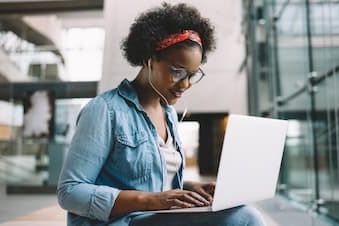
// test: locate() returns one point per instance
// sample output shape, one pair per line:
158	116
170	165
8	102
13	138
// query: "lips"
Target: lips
176	94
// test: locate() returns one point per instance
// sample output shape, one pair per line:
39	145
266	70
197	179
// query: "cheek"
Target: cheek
162	78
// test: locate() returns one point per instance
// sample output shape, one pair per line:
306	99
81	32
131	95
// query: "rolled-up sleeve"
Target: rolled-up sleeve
89	149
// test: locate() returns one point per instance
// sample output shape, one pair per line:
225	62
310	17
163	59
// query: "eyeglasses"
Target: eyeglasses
179	74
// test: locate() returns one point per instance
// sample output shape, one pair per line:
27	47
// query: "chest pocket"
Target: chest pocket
132	157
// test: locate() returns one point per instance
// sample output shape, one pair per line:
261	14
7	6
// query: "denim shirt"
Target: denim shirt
114	148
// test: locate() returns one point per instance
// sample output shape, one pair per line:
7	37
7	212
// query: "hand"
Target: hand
176	198
206	190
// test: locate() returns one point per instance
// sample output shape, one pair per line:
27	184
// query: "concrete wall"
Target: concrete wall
222	90
48	25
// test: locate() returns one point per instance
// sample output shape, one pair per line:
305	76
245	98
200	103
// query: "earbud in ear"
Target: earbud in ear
149	62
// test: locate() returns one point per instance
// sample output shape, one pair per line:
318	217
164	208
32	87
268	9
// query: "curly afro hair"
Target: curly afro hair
157	24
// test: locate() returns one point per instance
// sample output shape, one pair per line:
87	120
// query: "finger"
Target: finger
180	195
210	185
193	198
202	196
178	203
207	196
186	196
209	188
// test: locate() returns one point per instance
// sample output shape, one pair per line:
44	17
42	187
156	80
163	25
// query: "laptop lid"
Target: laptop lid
250	160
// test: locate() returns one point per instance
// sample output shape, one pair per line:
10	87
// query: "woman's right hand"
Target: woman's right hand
176	198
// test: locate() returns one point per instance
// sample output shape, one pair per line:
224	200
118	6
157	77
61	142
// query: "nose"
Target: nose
184	83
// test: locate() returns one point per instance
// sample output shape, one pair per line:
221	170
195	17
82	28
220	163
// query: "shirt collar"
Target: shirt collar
126	90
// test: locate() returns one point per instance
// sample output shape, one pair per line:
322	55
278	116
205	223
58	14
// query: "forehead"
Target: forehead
187	57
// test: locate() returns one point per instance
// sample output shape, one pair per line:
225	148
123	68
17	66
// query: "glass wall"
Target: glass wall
49	68
293	67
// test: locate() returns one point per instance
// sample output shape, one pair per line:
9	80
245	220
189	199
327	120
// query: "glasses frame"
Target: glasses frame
188	75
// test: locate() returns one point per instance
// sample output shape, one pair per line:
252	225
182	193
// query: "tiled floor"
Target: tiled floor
13	206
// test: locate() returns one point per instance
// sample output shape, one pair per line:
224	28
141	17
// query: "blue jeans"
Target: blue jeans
238	216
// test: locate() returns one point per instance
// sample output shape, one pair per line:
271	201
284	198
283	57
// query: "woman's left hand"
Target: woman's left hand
206	190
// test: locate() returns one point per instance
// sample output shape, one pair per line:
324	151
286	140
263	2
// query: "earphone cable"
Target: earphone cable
150	82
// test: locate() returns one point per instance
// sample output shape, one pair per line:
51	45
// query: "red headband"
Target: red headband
179	37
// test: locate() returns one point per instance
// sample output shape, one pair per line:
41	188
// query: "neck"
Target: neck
148	98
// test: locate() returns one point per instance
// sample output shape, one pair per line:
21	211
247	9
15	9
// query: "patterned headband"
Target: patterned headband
179	37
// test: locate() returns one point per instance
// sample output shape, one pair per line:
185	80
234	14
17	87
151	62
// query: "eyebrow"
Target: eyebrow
181	67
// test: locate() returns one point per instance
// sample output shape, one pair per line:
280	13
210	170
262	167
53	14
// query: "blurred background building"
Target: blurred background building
274	58
293	64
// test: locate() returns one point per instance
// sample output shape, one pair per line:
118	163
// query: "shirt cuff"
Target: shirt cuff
102	202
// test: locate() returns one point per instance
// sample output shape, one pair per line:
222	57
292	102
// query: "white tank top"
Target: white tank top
172	157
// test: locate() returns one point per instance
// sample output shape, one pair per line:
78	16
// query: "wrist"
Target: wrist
187	185
145	200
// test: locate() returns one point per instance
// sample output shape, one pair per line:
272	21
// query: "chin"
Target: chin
173	101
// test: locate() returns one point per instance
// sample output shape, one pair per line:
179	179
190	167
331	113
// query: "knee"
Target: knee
250	216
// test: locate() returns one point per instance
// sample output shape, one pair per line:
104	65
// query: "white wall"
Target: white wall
222	90
10	114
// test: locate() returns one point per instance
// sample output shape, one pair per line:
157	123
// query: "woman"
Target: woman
126	156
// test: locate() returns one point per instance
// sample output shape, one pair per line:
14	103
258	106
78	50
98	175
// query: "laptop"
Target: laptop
249	164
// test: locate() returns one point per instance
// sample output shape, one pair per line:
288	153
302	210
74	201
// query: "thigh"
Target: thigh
239	216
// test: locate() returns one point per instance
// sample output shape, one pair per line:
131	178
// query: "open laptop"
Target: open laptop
249	165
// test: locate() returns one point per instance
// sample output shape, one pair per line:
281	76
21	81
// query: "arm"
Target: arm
90	146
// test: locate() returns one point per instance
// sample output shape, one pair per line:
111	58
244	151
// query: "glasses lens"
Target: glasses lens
178	74
196	77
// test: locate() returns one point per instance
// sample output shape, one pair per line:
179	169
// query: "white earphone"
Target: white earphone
158	92
150	81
